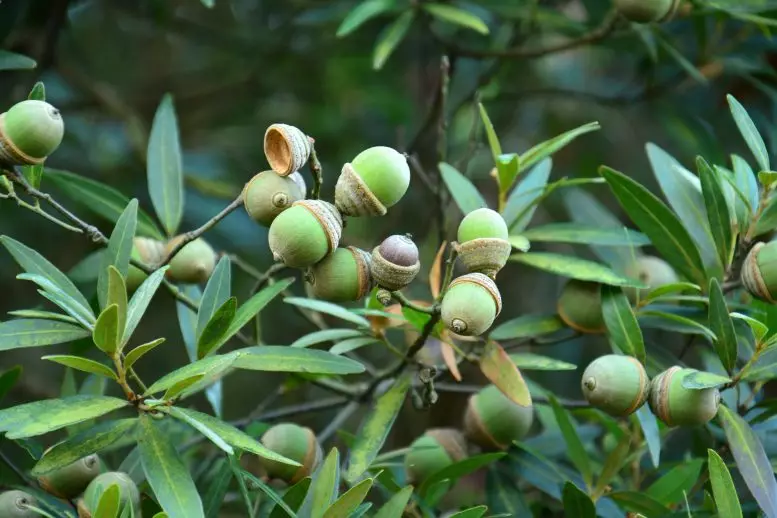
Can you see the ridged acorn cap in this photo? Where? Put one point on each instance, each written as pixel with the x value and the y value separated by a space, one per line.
pixel 287 148
pixel 433 451
pixel 676 405
pixel 13 504
pixel 395 262
pixel 268 194
pixel 471 304
pixel 147 251
pixel 651 270
pixel 493 421
pixel 580 306
pixel 759 271
pixel 615 384
pixel 128 493
pixel 193 264
pixel 293 442
pixel 305 233
pixel 71 480
pixel 29 132
pixel 373 181
pixel 342 276
pixel 646 11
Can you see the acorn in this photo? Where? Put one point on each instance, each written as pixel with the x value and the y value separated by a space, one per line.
pixel 434 450
pixel 267 194
pixel 395 262
pixel 580 306
pixel 646 11
pixel 483 245
pixel 342 276
pixel 193 264
pixel 305 233
pixel 29 132
pixel 70 481
pixel 651 270
pixel 676 405
pixel 471 304
pixel 615 384
pixel 372 182
pixel 493 421
pixel 147 251
pixel 757 275
pixel 129 496
pixel 293 442
pixel 14 504
pixel 287 148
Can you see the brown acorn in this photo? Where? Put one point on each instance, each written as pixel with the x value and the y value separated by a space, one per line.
pixel 15 504
pixel 293 442
pixel 493 421
pixel 71 480
pixel 342 276
pixel 433 451
pixel 676 405
pixel 395 262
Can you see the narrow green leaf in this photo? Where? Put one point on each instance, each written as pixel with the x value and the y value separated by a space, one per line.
pixel 750 133
pixel 575 268
pixel 396 504
pixel 747 184
pixel 108 505
pixel 678 323
pixel 454 471
pixel 519 242
pixel 656 220
pixel 216 327
pixel 329 309
pixel 530 361
pixel 274 358
pixel 375 428
pixel 472 512
pixel 587 235
pixel 13 61
pixel 213 366
pixel 650 431
pixel 639 503
pixel 180 386
pixel 670 487
pixel 218 486
pixel 16 334
pixel 622 326
pixel 82 364
pixel 502 372
pixel 527 326
pixel 267 490
pixel 119 249
pixel 523 201
pixel 575 449
pixel 464 193
pixel 352 344
pixel 456 16
pixel 670 289
pixel 723 488
pixel 293 498
pixel 681 60
pixel 503 494
pixel 759 328
pixel 717 211
pixel 547 148
pixel 54 293
pixel 577 504
pixel 216 293
pixel 117 294
pixel 323 491
pixel 493 139
pixel 723 326
pixel 613 464
pixel 391 37
pixel 765 367
pixel 33 174
pixel 350 500
pixel 43 315
pixel 139 351
pixel 203 428
pixel 164 167
pixel 166 472
pixel 326 335
pixel 362 13
pixel 106 330
pixel 140 300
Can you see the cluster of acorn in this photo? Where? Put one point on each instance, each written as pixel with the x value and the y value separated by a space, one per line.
pixel 81 481
pixel 618 385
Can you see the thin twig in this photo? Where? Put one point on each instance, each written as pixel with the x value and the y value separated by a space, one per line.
pixel 400 297
pixel 294 410
pixel 316 170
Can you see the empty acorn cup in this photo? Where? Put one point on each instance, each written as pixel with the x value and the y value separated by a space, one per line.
pixel 287 148
pixel 373 181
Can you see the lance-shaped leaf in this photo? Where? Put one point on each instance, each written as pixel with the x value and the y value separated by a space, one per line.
pixel 575 449
pixel 164 167
pixel 274 358
pixel 497 367
pixel 119 249
pixel 503 494
pixel 106 330
pixel 464 193
pixel 456 16
pixel 82 364
pixel 545 149
pixel 329 309
pixel 459 469
pixel 293 498
pixel 391 37
pixel 323 490
pixel 523 201
pixel 723 326
pixel 216 293
pixel 108 504
pixel 577 504
pixel 13 61
pixel 52 292
pixel 350 500
pixel 669 489
pixel 216 327
pixel 575 268
pixel 212 366
pixel 527 326
pixel 717 211
pixel 117 294
pixel 649 426
pixel 622 326
pixel 700 380
pixel 750 133
pixel 140 300
pixel 139 351
pixel 362 13
pixel 723 488
pixel 586 234
pixel 326 335
pixel 16 334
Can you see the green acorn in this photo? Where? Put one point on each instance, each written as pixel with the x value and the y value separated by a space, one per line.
pixel 69 481
pixel 759 277
pixel 653 271
pixel 471 304
pixel 580 306
pixel 268 194
pixel 615 384
pixel 646 11
pixel 341 276
pixel 287 148
pixel 193 264
pixel 147 251
pixel 433 451
pixel 483 245
pixel 14 504
pixel 374 181
pixel 676 405
pixel 493 421
pixel 395 262
pixel 296 443
pixel 305 233
pixel 129 496
pixel 29 132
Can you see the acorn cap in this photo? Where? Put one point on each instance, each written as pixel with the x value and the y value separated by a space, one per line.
pixel 305 233
pixel 651 270
pixel 374 180
pixel 482 223
pixel 580 306
pixel 267 194
pixel 13 504
pixel 128 493
pixel 615 384
pixel 485 255
pixel 293 442
pixel 433 451
pixel 471 304
pixel 353 196
pixel 71 480
pixel 342 276
pixel 646 11
pixel 287 148
pixel 493 421
pixel 147 251
pixel 29 132
pixel 193 264
pixel 395 262
pixel 759 271
pixel 676 405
